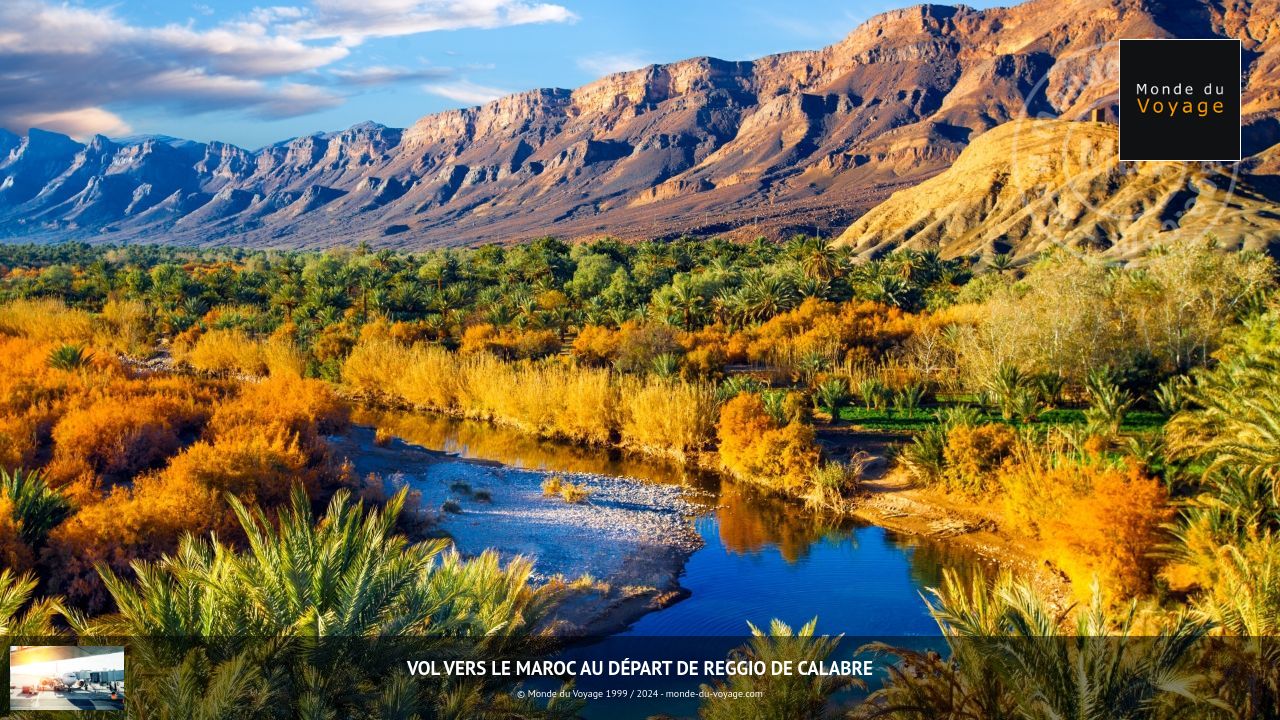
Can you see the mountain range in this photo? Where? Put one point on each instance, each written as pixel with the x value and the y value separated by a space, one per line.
pixel 805 141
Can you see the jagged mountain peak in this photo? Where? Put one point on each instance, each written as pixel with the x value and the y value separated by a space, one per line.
pixel 799 141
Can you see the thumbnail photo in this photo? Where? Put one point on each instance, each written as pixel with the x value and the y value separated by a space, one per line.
pixel 64 677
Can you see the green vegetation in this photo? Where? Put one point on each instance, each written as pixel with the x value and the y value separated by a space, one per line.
pixel 1136 421
pixel 1117 423
pixel 329 580
pixel 1013 657
pixel 803 697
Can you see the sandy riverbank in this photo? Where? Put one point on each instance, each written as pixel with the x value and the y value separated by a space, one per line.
pixel 631 537
pixel 887 498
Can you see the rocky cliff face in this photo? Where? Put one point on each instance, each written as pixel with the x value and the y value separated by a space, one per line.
pixel 1032 185
pixel 797 141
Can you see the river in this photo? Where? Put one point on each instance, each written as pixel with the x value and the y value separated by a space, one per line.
pixel 761 558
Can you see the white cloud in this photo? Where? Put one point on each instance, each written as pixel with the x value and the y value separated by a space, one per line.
pixel 384 74
pixel 465 91
pixel 65 62
pixel 355 20
pixel 609 63
pixel 79 123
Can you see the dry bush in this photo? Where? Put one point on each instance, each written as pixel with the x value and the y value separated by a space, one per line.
pixel 575 494
pixel 590 407
pixel 1035 493
pixel 46 320
pixel 547 398
pixel 509 343
pixel 129 524
pixel 754 447
pixel 595 346
pixel 114 438
pixel 224 351
pixel 481 337
pixel 282 357
pixel 255 466
pixel 534 344
pixel 14 553
pixel 124 326
pixel 423 376
pixel 552 485
pixel 257 444
pixel 20 432
pixel 849 332
pixel 974 452
pixel 640 343
pixel 1112 533
pixel 667 418
pixel 1093 517
pixel 284 406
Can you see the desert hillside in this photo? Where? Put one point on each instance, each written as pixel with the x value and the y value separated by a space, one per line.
pixel 801 141
pixel 1029 185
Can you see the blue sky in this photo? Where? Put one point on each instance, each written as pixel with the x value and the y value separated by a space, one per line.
pixel 252 73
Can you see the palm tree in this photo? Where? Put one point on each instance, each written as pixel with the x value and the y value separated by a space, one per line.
pixel 1011 391
pixel 1243 601
pixel 1001 262
pixel 1108 402
pixel 20 616
pixel 1236 421
pixel 766 295
pixel 37 507
pixel 1010 658
pixel 830 395
pixel 321 609
pixel 819 259
pixel 791 696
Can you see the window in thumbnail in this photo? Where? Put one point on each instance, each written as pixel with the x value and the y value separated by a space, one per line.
pixel 63 677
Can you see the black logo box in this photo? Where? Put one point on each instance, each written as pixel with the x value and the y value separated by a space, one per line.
pixel 1189 63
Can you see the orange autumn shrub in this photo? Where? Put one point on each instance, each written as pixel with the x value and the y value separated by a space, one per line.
pixel 533 344
pixel 974 452
pixel 129 524
pixel 853 332
pixel 259 468
pixel 257 444
pixel 14 553
pixel 876 327
pixel 20 433
pixel 737 347
pixel 743 420
pixel 509 343
pixel 114 438
pixel 1111 533
pixel 1038 492
pixel 303 408
pixel 639 344
pixel 333 343
pixel 228 350
pixel 753 447
pixel 411 332
pixel 705 361
pixel 27 381
pixel 706 351
pixel 481 337
pixel 595 345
